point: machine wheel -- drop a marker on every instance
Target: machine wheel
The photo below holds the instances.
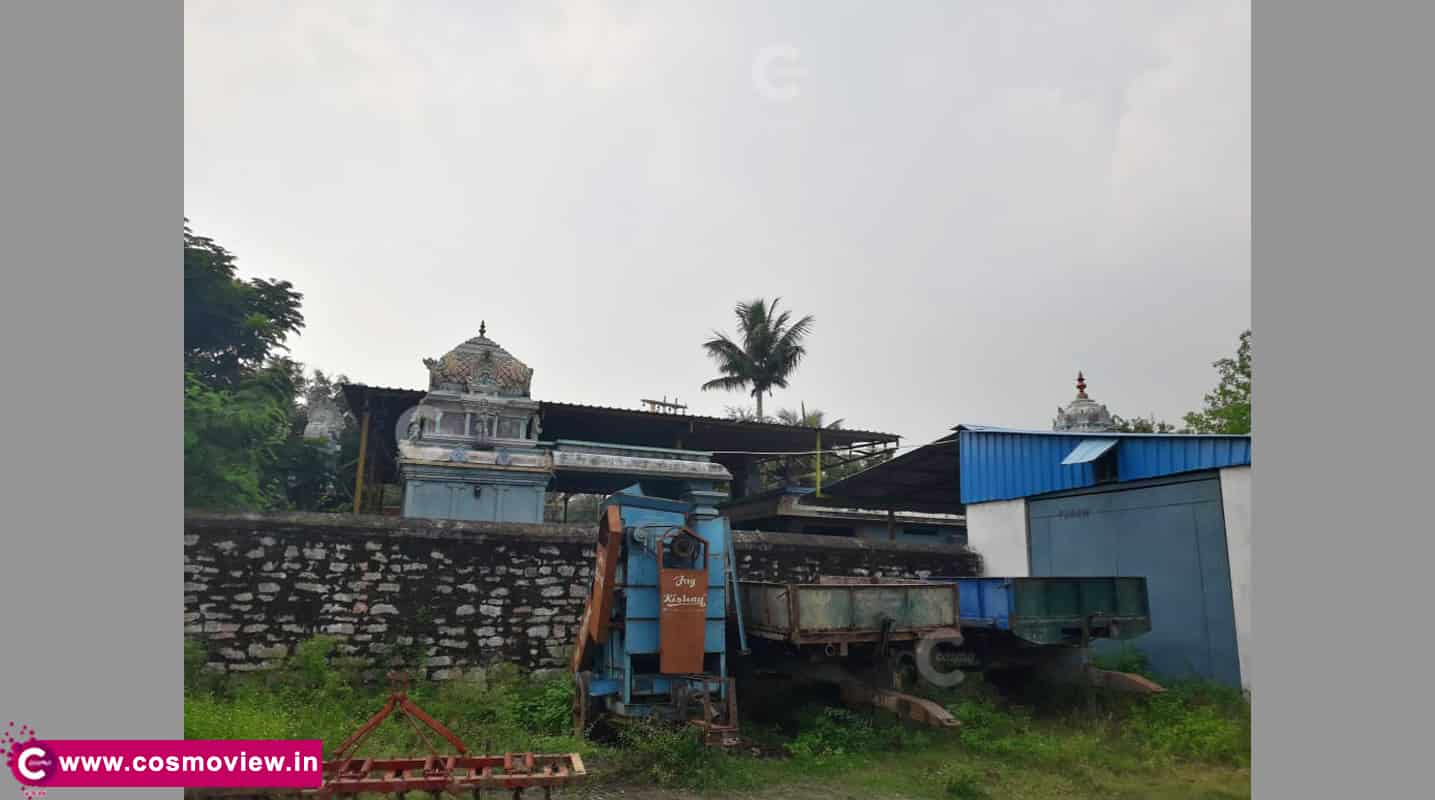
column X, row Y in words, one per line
column 583, row 706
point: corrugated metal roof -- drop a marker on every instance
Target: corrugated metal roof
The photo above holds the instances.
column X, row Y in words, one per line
column 1089, row 450
column 924, row 479
column 1004, row 464
column 838, row 434
column 1102, row 434
column 626, row 426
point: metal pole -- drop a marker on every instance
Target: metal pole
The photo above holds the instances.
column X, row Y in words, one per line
column 819, row 462
column 891, row 525
column 363, row 457
column 731, row 555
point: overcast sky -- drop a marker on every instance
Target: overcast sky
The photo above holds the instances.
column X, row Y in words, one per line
column 975, row 200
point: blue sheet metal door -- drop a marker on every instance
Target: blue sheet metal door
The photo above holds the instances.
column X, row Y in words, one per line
column 1174, row 535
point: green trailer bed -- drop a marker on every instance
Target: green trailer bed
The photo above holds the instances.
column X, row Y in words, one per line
column 838, row 611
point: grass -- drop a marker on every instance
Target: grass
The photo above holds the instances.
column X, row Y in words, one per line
column 1192, row 742
column 316, row 696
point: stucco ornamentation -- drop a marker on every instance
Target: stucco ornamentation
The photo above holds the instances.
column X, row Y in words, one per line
column 1083, row 413
column 479, row 366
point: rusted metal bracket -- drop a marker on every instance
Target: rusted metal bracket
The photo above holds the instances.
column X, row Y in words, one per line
column 398, row 701
column 346, row 776
column 1122, row 681
column 717, row 725
column 917, row 709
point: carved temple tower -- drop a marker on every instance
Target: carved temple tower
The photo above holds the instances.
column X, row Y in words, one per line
column 469, row 450
column 1082, row 414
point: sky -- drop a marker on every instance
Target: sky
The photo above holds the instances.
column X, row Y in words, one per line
column 974, row 200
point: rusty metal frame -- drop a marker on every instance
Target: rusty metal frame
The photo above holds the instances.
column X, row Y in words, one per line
column 346, row 775
column 795, row 635
column 593, row 626
column 453, row 773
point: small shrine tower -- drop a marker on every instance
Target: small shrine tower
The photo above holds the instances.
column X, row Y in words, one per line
column 1082, row 414
column 469, row 450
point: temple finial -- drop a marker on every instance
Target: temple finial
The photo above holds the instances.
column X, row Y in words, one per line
column 1080, row 385
column 482, row 328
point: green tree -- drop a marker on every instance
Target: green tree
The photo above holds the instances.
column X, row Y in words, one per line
column 741, row 413
column 770, row 351
column 317, row 475
column 231, row 327
column 239, row 395
column 1141, row 424
column 232, row 438
column 800, row 469
column 815, row 418
column 1228, row 407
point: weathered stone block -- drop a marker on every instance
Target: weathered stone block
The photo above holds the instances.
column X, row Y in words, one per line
column 270, row 651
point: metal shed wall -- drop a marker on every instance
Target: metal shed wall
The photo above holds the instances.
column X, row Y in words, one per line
column 1170, row 532
column 1001, row 464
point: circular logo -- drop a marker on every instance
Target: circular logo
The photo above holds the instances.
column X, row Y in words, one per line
column 458, row 454
column 776, row 71
column 33, row 763
column 927, row 662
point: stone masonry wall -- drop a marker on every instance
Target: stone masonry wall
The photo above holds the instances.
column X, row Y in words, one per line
column 453, row 595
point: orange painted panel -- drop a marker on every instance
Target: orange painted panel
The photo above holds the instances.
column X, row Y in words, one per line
column 682, row 619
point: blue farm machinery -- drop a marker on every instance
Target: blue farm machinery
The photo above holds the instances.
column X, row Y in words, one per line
column 668, row 626
column 653, row 638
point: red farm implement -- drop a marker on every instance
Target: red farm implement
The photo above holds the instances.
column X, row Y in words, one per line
column 455, row 775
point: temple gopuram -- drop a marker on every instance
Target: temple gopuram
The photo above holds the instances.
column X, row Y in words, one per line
column 1083, row 414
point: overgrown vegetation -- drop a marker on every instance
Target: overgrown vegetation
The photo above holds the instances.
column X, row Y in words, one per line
column 1193, row 741
column 243, row 417
column 318, row 694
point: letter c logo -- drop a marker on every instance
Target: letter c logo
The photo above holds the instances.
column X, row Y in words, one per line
column 22, row 763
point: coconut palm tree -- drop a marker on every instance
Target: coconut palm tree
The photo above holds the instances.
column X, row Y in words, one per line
column 796, row 470
column 816, row 418
column 771, row 349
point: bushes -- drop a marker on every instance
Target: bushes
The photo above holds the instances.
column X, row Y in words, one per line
column 210, row 717
column 830, row 734
column 1072, row 726
column 544, row 707
column 1066, row 741
column 963, row 783
column 1127, row 659
column 315, row 694
column 1194, row 721
column 669, row 755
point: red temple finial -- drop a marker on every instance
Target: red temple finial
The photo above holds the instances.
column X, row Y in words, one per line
column 1080, row 385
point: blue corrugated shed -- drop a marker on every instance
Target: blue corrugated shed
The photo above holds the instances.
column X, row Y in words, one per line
column 1004, row 464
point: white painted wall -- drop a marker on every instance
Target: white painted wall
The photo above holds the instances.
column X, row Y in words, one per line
column 1236, row 504
column 998, row 532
